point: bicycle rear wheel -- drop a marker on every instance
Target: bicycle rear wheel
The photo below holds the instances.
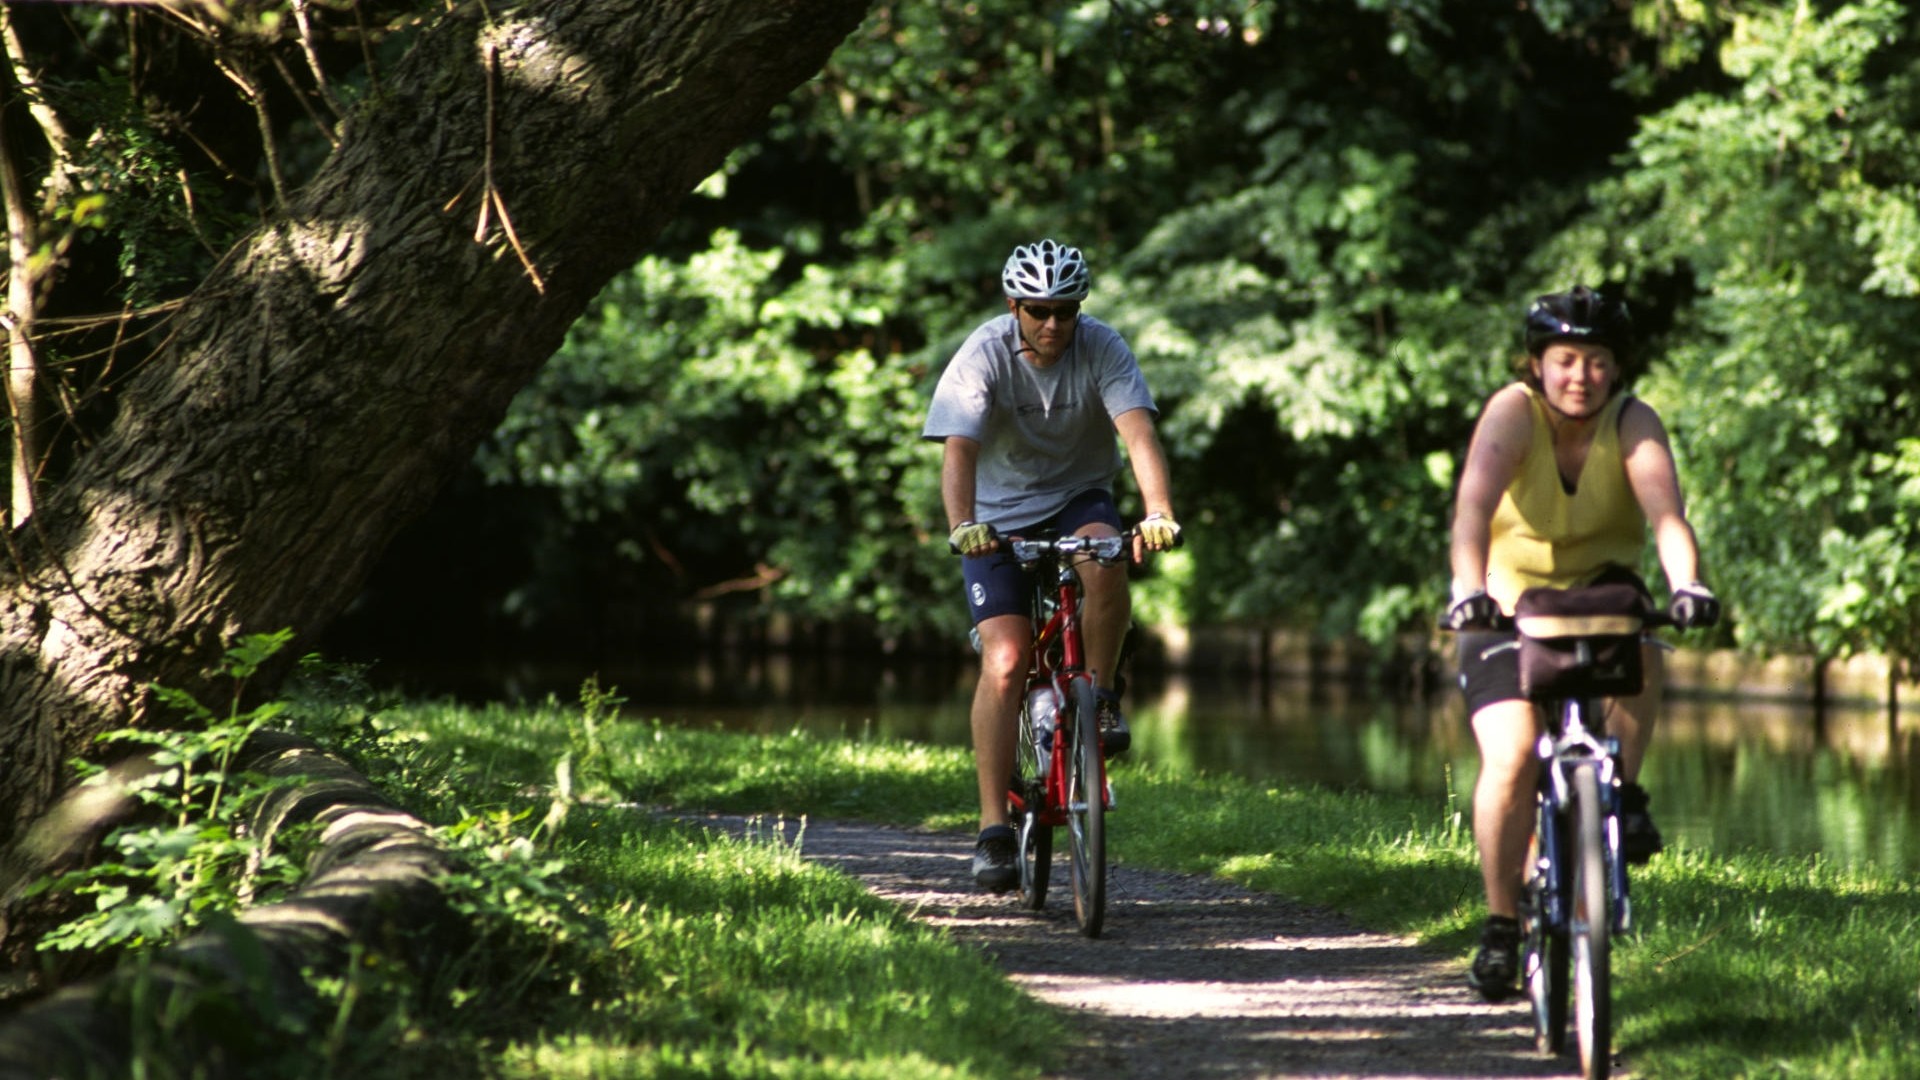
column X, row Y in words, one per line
column 1036, row 860
column 1591, row 926
column 1025, row 811
column 1544, row 946
column 1086, row 811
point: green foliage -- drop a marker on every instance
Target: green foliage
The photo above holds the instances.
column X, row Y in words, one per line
column 1316, row 221
column 741, row 429
column 194, row 859
column 127, row 190
column 1788, row 203
column 598, row 707
column 1255, row 222
column 1318, row 225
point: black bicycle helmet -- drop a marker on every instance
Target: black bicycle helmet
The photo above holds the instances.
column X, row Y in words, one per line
column 1579, row 314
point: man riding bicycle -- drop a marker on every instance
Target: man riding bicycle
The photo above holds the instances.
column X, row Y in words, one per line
column 1566, row 476
column 1027, row 411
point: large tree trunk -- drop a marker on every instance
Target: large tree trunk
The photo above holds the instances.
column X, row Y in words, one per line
column 338, row 366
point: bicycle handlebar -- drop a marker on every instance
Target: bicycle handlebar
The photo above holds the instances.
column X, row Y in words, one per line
column 1651, row 619
column 1102, row 549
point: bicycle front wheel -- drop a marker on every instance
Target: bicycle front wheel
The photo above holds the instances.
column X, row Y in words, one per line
column 1087, row 812
column 1544, row 949
column 1592, row 924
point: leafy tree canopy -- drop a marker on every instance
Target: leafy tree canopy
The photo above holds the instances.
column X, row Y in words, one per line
column 1318, row 223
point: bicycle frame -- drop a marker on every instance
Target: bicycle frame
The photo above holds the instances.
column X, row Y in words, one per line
column 1072, row 788
column 1575, row 893
column 1058, row 656
column 1572, row 743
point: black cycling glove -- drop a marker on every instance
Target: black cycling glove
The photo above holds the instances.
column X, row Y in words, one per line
column 1473, row 612
column 1694, row 606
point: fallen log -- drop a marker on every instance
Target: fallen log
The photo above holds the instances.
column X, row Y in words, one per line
column 228, row 999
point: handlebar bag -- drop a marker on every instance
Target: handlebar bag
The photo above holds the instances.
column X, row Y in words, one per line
column 1553, row 623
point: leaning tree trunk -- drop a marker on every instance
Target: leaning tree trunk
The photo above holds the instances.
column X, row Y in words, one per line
column 338, row 366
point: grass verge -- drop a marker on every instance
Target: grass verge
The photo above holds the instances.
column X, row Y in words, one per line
column 713, row 957
column 611, row 943
column 739, row 959
column 1742, row 964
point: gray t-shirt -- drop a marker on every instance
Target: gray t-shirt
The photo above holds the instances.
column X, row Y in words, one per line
column 1045, row 434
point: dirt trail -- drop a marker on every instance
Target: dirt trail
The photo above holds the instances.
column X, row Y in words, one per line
column 1194, row 978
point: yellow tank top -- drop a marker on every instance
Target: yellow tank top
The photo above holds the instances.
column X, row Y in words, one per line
column 1544, row 535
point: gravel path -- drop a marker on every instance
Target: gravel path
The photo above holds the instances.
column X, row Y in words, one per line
column 1194, row 978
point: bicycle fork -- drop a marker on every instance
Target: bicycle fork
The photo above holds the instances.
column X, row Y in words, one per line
column 1578, row 749
column 1092, row 732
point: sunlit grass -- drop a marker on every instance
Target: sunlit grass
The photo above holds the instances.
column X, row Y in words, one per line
column 1743, row 965
column 739, row 959
column 723, row 957
column 1747, row 961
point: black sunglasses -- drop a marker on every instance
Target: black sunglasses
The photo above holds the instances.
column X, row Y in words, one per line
column 1041, row 312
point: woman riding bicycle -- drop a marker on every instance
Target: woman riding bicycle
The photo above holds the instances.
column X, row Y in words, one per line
column 1565, row 477
column 1027, row 410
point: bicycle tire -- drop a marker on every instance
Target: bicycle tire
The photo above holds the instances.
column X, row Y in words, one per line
column 1035, row 838
column 1036, row 860
column 1591, row 924
column 1087, row 812
column 1544, row 961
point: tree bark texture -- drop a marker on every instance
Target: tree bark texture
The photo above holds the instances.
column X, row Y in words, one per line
column 339, row 365
column 220, row 1003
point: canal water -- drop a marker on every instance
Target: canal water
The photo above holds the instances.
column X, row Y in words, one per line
column 1723, row 775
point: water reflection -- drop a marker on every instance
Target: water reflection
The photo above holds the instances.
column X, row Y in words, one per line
column 1723, row 775
column 1756, row 775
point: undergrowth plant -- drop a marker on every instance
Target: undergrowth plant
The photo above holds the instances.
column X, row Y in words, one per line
column 193, row 851
column 523, row 932
column 583, row 770
column 525, row 940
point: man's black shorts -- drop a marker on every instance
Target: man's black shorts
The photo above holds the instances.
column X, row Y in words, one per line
column 997, row 585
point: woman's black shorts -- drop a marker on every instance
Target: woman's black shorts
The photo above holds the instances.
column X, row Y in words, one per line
column 1488, row 676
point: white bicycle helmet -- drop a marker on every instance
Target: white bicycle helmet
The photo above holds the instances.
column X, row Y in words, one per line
column 1045, row 271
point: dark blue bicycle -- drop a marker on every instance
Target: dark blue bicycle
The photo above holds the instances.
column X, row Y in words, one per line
column 1577, row 648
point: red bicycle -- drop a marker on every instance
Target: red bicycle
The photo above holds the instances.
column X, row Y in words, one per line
column 1060, row 768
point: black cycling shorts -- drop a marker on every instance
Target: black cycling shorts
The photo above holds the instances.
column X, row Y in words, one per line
column 998, row 585
column 1488, row 679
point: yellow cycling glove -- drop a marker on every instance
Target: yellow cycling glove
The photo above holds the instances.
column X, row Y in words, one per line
column 971, row 538
column 1160, row 531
